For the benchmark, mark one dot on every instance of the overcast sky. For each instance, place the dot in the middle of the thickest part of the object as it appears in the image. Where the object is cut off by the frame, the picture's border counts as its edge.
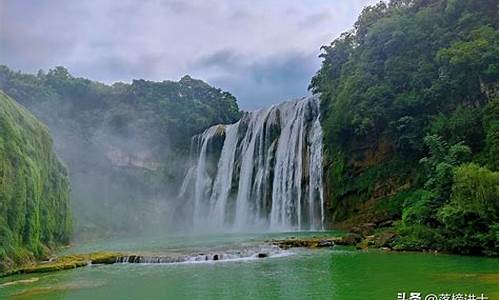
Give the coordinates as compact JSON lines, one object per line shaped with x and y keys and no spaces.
{"x":262,"y":52}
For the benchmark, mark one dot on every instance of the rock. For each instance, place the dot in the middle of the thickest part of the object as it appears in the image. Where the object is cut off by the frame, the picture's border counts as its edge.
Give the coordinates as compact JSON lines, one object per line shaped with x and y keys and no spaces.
{"x":262,"y":255}
{"x":366,"y":243}
{"x":216,"y":257}
{"x":22,"y":281}
{"x":306,"y":243}
{"x":67,"y":262}
{"x":364,"y":229}
{"x":350,"y":239}
{"x":384,"y":239}
{"x":104,"y":257}
{"x":388,"y":223}
{"x":6,"y":264}
{"x":325,"y":243}
{"x":385,"y":249}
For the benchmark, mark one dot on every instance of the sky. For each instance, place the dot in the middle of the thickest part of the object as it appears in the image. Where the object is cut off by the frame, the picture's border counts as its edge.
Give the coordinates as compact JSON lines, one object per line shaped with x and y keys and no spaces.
{"x":263,"y":52}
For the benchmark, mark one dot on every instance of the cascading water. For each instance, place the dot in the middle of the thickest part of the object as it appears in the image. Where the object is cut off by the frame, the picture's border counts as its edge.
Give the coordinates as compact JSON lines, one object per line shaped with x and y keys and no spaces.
{"x":265,"y":171}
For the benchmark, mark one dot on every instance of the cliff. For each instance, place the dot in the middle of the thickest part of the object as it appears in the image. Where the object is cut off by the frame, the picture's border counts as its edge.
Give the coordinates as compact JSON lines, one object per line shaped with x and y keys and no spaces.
{"x":34,"y":188}
{"x":409,"y":101}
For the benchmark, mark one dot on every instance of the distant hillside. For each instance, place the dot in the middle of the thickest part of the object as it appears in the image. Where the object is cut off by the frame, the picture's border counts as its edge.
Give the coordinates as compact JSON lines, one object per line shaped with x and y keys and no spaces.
{"x":34,"y":188}
{"x":126,"y":145}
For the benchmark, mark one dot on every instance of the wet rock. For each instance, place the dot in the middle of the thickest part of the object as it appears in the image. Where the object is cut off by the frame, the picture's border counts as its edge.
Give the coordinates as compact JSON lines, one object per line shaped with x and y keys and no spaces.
{"x":384,"y":239}
{"x":22,"y":281}
{"x":262,"y":255}
{"x":103,"y":257}
{"x":366,"y":243}
{"x":216,"y":257}
{"x":325,"y":243}
{"x":67,"y":262}
{"x":350,"y":239}
{"x":306,"y":243}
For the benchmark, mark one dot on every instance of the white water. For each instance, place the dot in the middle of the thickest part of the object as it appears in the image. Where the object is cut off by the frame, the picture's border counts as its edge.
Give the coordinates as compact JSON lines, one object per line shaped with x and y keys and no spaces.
{"x":265,"y":171}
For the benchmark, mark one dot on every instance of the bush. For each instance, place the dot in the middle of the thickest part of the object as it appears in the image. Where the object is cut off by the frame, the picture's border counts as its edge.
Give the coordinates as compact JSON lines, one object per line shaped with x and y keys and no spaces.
{"x":470,"y":219}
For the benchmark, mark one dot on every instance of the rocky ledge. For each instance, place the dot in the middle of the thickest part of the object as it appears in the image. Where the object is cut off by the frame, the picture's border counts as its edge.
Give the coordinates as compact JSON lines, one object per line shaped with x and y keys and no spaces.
{"x":99,"y":258}
{"x":314,"y":242}
{"x":66,"y":262}
{"x":363,"y":236}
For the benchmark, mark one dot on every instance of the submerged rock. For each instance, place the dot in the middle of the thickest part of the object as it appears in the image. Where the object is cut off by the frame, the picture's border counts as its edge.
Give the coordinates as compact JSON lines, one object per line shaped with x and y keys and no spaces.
{"x":22,"y":281}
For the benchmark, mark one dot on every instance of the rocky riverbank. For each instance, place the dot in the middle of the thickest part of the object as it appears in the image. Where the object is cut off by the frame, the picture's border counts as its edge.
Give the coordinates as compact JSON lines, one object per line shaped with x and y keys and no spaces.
{"x":65,"y":263}
{"x":363,"y":236}
{"x":99,"y":258}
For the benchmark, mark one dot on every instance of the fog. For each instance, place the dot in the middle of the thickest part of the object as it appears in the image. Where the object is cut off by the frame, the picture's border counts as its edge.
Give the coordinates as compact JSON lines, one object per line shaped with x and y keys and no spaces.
{"x":119,"y":184}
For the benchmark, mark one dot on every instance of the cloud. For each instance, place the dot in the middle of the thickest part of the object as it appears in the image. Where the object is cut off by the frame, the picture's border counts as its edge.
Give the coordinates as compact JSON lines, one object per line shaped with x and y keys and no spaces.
{"x":261,"y":51}
{"x":315,"y":19}
{"x":224,"y":58}
{"x":263,"y":82}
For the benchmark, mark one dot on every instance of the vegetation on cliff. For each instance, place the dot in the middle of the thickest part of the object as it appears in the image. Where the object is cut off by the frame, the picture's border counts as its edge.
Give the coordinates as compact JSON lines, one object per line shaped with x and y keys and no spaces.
{"x":410,"y":114}
{"x":126,"y":145}
{"x":34,"y":188}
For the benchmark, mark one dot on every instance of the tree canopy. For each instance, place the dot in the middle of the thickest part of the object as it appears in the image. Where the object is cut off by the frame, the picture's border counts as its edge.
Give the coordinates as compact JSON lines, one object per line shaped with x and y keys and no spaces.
{"x":413,"y":79}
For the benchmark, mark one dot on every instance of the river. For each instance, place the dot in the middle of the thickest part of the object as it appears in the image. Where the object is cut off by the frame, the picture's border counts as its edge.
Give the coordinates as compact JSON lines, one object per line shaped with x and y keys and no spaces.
{"x":335,"y":273}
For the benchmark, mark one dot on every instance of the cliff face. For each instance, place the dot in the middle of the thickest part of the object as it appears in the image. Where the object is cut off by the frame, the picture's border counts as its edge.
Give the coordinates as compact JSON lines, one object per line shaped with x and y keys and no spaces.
{"x":362,"y":179}
{"x":34,"y":188}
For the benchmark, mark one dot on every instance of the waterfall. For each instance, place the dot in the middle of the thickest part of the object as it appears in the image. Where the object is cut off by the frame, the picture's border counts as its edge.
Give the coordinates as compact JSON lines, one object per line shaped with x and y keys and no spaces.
{"x":263,"y":172}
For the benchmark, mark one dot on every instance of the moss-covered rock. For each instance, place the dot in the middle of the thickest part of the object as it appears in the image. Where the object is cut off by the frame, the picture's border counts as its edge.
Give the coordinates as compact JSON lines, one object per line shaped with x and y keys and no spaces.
{"x":66,"y":262}
{"x":34,"y":188}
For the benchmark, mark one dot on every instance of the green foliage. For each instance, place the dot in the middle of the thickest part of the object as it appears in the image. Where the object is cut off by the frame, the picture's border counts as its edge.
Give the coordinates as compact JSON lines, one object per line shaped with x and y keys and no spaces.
{"x":34,"y":187}
{"x":471,"y":217}
{"x":417,"y":237}
{"x":417,"y":207}
{"x":459,"y":204}
{"x":98,"y":128}
{"x":413,"y":81}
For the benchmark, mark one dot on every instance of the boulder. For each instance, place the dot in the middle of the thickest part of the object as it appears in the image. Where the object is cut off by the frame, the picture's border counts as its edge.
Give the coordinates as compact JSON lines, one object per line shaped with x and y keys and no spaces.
{"x":325,"y":243}
{"x":350,"y":239}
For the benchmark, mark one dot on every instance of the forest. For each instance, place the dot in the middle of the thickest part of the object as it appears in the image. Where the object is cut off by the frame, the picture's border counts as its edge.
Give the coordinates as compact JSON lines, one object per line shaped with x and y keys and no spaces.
{"x":410,"y":114}
{"x":126,"y":145}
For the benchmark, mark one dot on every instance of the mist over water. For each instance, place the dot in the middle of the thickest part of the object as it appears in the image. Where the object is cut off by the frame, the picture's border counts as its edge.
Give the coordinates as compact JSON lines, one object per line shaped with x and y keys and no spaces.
{"x":117,"y":186}
{"x":262,"y":173}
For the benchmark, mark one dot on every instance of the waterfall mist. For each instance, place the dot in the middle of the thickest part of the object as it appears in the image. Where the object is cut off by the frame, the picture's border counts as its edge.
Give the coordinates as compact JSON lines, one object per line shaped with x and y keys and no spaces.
{"x":262,"y":173}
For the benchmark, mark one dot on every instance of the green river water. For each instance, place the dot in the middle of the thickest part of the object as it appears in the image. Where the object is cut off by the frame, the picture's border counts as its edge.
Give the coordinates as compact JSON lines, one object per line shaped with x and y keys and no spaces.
{"x":340,"y":273}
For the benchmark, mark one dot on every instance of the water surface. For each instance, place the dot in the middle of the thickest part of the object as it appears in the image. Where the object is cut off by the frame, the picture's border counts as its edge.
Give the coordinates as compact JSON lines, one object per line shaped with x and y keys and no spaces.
{"x":338,"y":273}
